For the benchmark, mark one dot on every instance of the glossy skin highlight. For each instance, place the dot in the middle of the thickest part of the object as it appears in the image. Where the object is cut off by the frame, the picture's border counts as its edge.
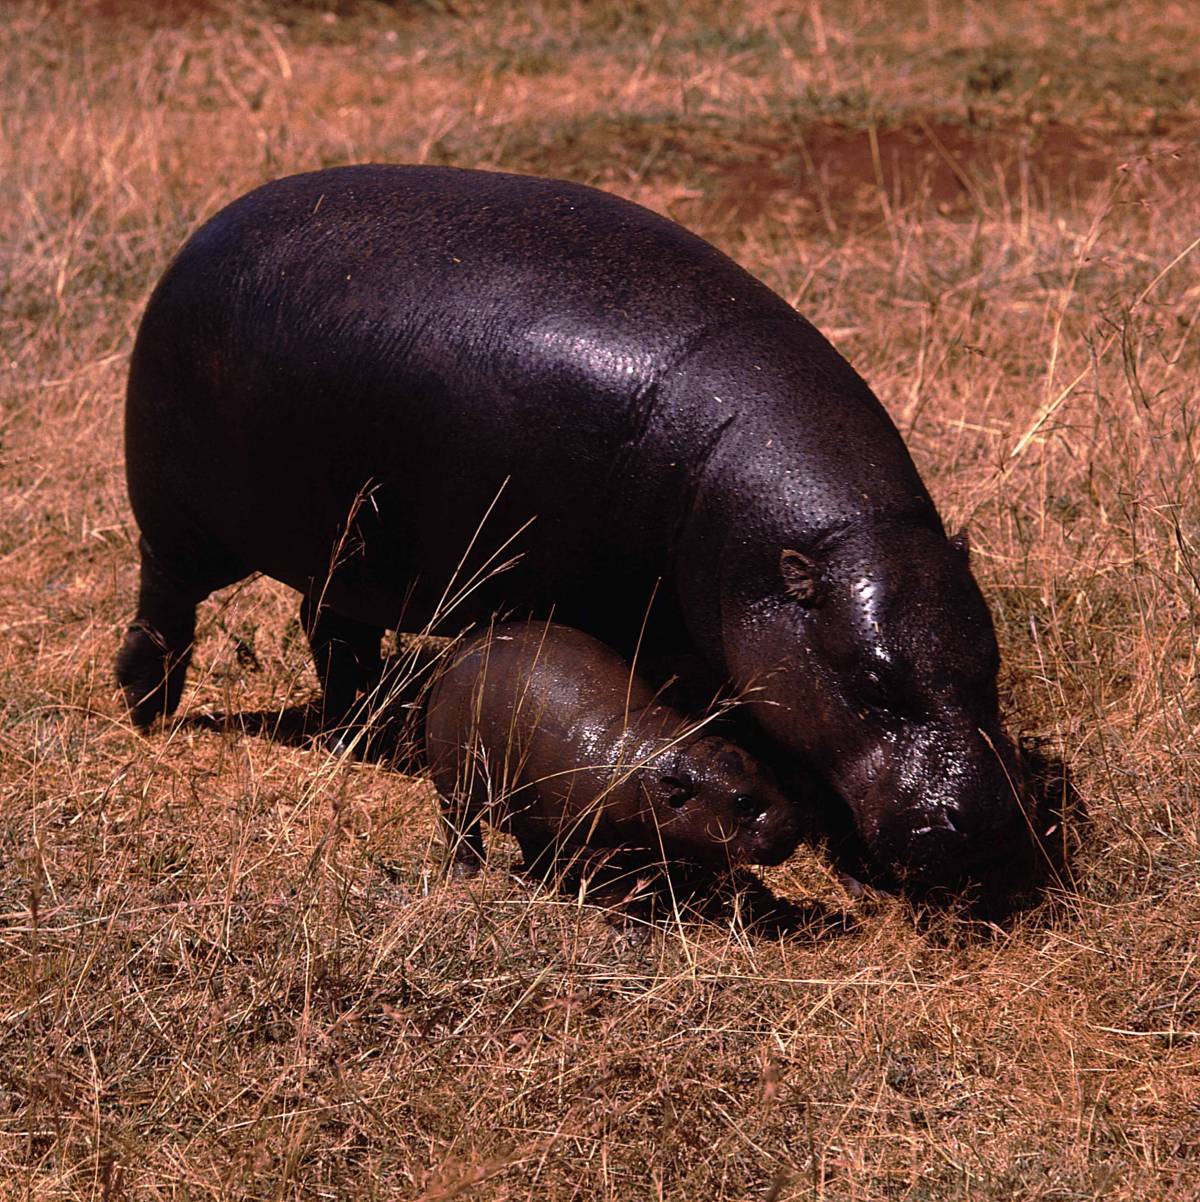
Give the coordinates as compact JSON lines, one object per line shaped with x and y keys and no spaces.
{"x":377,"y":383}
{"x":545,"y":731}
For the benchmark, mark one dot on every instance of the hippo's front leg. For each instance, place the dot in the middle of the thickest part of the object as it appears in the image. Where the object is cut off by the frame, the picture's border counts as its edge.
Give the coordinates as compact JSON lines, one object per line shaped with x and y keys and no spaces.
{"x":346,"y":655}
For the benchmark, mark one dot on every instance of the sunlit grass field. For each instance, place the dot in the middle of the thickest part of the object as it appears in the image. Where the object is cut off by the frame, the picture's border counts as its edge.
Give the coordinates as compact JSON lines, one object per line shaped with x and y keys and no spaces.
{"x":229,"y":964}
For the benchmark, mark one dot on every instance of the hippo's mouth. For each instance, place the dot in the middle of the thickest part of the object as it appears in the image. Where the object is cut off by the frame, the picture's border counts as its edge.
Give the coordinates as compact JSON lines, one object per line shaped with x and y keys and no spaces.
{"x":929,"y":855}
{"x":744,"y":844}
{"x":944,"y":807}
{"x":768,"y":854}
{"x":934,"y":848}
{"x":770,"y":839}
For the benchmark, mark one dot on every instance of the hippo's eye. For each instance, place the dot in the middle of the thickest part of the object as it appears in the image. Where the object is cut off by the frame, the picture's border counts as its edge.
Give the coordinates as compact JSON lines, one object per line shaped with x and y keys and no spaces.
{"x":875,"y":691}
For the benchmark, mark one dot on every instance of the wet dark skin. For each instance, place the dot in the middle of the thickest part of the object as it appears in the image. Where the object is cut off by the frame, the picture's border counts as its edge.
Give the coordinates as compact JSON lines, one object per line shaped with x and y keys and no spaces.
{"x":546,"y":731}
{"x":366,"y":381}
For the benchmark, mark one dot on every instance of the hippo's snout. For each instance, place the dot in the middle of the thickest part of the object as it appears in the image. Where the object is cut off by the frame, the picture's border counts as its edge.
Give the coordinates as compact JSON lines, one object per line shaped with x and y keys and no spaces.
{"x":751,"y":809}
{"x":732,"y":810}
{"x":751,"y":829}
{"x":952,"y":811}
{"x":934,"y":849}
{"x":769,"y":827}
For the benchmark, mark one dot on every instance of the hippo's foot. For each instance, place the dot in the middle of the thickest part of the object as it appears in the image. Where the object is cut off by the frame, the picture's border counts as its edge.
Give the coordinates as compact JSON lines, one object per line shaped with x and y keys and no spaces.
{"x":151,"y":672}
{"x":467,"y":856}
{"x":153,"y":661}
{"x":466,"y":853}
{"x":463,"y":870}
{"x":852,"y":885}
{"x":630,"y":937}
{"x":349,"y":740}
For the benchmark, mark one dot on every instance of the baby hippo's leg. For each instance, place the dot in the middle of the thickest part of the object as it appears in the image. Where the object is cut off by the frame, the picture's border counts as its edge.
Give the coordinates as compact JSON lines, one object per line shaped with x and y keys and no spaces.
{"x":541,"y":859}
{"x":464,"y":837}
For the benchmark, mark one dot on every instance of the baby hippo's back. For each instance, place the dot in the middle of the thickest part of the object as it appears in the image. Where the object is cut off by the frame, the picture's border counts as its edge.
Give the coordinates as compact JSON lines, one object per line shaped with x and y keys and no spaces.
{"x":546,"y":731}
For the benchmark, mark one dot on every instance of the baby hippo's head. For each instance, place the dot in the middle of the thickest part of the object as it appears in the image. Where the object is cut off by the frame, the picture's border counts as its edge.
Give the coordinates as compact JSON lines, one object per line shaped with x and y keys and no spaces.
{"x":713,"y":803}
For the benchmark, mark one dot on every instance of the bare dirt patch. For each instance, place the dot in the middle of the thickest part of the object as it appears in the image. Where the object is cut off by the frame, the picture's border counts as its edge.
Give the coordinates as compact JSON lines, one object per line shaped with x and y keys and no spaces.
{"x":826,"y":174}
{"x":844,"y":175}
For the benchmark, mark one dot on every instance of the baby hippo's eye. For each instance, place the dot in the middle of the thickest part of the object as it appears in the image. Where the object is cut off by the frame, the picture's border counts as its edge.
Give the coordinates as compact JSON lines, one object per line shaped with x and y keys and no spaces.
{"x":679,"y":790}
{"x":748,"y":806}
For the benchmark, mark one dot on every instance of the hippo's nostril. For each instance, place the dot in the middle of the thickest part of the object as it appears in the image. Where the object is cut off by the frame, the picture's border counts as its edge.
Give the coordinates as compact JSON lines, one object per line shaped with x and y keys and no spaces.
{"x":679,"y":791}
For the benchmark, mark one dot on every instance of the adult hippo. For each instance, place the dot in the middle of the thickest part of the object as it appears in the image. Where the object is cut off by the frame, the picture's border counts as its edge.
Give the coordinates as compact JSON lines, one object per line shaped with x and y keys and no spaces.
{"x":379,"y":384}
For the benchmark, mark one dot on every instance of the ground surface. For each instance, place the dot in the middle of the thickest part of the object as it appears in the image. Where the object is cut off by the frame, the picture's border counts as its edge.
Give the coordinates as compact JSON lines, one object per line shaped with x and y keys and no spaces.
{"x":228,"y":968}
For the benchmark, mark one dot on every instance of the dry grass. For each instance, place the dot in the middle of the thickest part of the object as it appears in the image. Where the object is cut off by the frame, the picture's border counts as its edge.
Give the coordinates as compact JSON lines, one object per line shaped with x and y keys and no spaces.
{"x":227,"y":965}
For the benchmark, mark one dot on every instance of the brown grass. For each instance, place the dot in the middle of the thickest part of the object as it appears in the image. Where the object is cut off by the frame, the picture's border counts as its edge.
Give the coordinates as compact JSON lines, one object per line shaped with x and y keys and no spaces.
{"x":228,"y":967}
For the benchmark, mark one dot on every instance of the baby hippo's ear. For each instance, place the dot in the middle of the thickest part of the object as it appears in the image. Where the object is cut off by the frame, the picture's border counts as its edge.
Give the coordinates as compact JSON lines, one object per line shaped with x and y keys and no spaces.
{"x":801,"y":577}
{"x":678,"y":789}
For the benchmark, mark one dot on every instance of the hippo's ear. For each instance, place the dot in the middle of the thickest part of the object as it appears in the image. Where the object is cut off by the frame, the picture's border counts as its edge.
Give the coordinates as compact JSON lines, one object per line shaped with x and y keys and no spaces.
{"x":801,"y":578}
{"x":961,"y":542}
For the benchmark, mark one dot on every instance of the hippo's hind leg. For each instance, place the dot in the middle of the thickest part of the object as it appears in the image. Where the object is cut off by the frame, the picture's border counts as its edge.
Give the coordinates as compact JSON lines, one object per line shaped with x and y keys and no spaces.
{"x":153,"y":661}
{"x":346,"y":655}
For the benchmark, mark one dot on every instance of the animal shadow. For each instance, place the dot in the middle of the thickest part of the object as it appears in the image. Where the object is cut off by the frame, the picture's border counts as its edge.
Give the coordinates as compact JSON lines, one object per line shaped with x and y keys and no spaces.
{"x":636,"y":892}
{"x":1060,"y":816}
{"x":388,"y":741}
{"x":390,"y":735}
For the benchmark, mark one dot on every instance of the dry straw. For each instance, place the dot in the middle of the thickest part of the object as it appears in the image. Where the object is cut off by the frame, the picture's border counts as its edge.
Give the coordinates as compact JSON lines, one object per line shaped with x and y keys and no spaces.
{"x":229,"y":965}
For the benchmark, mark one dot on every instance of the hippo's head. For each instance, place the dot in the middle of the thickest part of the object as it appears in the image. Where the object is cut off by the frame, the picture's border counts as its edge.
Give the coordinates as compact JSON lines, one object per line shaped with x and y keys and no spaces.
{"x":710,"y":802}
{"x":871,"y":655}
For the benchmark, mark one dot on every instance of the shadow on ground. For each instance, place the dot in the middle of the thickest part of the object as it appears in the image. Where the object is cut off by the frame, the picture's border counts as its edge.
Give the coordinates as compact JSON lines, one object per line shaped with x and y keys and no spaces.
{"x":640,"y":893}
{"x":391,"y":741}
{"x":391,"y":736}
{"x":634,"y":894}
{"x":637,"y":894}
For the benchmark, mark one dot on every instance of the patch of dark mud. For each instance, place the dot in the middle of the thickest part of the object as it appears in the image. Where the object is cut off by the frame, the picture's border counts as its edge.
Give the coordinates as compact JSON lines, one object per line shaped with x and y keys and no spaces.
{"x":842,"y":177}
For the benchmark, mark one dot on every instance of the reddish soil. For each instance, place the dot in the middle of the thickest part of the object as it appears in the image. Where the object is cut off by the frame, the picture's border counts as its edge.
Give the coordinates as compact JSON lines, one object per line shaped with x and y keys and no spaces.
{"x":842,"y":175}
{"x":839,"y":178}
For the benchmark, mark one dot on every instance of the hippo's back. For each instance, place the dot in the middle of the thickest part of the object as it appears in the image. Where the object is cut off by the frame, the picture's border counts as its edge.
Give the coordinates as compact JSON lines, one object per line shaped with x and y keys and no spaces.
{"x":406,"y":345}
{"x":381,"y":367}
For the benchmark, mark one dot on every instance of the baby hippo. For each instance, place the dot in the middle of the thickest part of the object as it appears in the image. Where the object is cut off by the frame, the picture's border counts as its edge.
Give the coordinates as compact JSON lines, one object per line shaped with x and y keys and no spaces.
{"x":546,"y":732}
